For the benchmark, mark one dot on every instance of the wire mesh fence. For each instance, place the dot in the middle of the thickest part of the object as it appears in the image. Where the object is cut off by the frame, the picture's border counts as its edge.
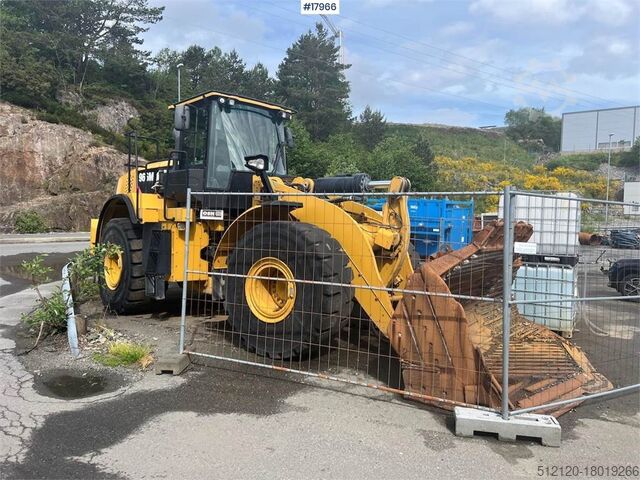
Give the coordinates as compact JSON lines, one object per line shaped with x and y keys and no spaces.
{"x":404,"y":292}
{"x":580,"y":278}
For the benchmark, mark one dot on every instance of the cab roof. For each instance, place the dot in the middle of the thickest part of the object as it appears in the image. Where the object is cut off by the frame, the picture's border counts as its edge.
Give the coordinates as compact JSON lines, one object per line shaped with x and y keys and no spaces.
{"x":237,"y":98}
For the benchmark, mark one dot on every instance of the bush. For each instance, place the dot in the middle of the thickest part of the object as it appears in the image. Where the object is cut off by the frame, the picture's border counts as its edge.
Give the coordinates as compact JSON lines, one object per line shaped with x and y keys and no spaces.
{"x":30,"y":222}
{"x":590,"y":161}
{"x":86,"y":271}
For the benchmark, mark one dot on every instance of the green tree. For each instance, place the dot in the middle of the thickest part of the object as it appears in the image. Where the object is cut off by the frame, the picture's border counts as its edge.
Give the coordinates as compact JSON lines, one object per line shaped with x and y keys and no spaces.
{"x":632,"y":157}
{"x":24,"y":77}
{"x":396,"y":156}
{"x":163,"y":74}
{"x":72,"y":37}
{"x":371,"y":127}
{"x":345,"y":154}
{"x":306,"y":158}
{"x":422,"y":149}
{"x":258,"y":83}
{"x":312,"y":81}
{"x":125,"y":68}
{"x":534,"y":128}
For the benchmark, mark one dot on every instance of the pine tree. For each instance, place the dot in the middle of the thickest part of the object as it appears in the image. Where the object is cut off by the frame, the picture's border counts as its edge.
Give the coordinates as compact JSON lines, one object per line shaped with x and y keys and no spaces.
{"x":371,"y":127}
{"x":312,"y":81}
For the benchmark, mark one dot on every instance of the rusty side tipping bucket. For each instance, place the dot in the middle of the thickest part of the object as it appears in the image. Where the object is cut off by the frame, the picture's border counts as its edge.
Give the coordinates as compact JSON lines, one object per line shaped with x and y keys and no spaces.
{"x":451,"y":350}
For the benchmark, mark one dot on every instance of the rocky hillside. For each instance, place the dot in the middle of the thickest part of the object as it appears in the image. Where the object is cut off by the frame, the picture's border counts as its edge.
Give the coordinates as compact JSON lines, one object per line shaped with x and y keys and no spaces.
{"x":61,"y":172}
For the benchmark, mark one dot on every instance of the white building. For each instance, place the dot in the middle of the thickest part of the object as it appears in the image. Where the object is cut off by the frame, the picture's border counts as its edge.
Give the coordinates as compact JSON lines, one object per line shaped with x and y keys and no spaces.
{"x":631,"y":195}
{"x":589,"y":130}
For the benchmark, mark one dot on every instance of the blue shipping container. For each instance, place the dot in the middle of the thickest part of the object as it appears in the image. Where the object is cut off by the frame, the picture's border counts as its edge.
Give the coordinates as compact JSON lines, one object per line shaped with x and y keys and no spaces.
{"x":437,"y":223}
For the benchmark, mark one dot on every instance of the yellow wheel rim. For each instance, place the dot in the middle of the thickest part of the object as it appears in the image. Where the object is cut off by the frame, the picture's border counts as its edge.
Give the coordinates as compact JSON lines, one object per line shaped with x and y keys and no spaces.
{"x":113,"y":270}
{"x":270,"y":299}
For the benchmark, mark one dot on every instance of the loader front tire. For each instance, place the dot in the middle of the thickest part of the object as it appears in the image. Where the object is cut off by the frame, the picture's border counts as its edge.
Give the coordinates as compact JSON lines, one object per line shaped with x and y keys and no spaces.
{"x":272,"y":314}
{"x":122,"y":289}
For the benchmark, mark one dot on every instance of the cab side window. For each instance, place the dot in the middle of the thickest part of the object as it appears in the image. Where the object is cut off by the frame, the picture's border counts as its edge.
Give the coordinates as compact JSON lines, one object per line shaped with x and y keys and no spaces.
{"x":195,"y":139}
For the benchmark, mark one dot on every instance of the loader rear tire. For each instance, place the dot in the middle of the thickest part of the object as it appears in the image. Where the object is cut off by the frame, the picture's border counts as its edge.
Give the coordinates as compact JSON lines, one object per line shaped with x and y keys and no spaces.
{"x":128,"y":292}
{"x":289,"y":250}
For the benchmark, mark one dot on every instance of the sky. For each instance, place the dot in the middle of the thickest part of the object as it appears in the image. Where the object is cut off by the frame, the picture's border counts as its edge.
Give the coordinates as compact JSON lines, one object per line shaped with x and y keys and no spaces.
{"x":451,"y":62}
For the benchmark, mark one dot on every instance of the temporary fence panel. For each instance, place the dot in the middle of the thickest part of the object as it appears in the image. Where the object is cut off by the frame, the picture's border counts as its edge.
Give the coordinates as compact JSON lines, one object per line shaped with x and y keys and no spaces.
{"x":607,"y":325}
{"x":311,"y":283}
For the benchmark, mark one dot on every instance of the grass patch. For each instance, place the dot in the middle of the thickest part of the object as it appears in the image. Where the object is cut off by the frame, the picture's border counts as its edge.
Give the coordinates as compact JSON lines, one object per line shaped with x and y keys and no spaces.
{"x":468,"y":142}
{"x":122,"y":353}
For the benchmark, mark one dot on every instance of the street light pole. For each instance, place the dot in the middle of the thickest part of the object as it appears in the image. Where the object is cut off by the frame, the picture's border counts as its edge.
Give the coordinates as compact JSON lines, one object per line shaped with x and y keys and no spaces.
{"x":504,"y":150}
{"x":606,"y":207}
{"x":179,"y":66}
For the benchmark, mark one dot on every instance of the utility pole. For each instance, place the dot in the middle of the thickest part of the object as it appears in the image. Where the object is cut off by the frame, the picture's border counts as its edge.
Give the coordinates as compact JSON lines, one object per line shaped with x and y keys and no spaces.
{"x":336,"y":34}
{"x":179,"y":66}
{"x":606,"y":207}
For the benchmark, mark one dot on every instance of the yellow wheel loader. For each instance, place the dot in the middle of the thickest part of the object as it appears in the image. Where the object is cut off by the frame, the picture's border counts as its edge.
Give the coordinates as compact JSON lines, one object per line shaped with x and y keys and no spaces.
{"x":292,"y":266}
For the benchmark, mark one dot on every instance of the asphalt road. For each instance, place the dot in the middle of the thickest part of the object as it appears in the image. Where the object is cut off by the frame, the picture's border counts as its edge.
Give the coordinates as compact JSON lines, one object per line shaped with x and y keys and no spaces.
{"x":230,"y":423}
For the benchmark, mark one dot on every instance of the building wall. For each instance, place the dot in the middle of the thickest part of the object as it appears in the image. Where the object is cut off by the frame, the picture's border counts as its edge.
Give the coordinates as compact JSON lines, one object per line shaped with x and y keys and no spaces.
{"x":589,"y":130}
{"x":631,"y":195}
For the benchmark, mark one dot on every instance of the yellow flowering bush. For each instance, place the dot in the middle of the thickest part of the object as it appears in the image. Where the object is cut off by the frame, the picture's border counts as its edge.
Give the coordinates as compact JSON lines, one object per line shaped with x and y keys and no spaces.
{"x":469,"y":174}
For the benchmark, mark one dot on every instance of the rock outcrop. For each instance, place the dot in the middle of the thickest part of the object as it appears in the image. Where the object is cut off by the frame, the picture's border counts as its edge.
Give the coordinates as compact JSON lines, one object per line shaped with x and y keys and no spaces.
{"x":113,"y":116}
{"x":59,"y":171}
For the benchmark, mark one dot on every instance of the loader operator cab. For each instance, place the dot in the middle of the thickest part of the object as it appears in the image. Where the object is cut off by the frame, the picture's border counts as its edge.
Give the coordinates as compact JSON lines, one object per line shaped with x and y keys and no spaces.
{"x":216,"y":134}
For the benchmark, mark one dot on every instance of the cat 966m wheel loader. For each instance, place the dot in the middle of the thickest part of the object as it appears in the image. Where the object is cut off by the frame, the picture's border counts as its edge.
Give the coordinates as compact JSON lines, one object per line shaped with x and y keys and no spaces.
{"x":295,"y":255}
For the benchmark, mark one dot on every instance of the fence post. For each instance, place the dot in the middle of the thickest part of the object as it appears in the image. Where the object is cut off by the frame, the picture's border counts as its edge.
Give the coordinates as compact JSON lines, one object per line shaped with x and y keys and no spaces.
{"x":183,"y":313}
{"x":507,"y":273}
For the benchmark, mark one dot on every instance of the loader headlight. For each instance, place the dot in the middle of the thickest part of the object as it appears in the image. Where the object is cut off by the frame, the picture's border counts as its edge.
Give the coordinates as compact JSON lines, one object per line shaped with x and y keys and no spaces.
{"x":256,"y":163}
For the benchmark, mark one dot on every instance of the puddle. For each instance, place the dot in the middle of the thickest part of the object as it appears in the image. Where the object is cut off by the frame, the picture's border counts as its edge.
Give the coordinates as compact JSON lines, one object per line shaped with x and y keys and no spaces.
{"x":16,"y":279}
{"x":71,"y":384}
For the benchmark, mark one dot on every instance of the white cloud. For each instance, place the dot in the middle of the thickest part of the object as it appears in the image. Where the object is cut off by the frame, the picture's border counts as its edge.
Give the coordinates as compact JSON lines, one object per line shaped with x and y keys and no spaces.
{"x":386,"y":3}
{"x":455,"y":89}
{"x":608,"y":56}
{"x":556,"y":12}
{"x":233,"y":29}
{"x":619,"y":47}
{"x":456,"y":28}
{"x":550,"y":11}
{"x":610,"y":12}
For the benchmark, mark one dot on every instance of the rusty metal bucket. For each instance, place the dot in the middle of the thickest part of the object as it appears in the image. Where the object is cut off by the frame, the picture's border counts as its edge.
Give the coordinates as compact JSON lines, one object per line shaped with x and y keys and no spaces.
{"x":451,"y":350}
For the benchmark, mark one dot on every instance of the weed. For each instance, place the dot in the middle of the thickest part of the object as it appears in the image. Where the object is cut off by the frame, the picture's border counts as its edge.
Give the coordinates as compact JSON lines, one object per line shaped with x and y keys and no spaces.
{"x":30,"y":222}
{"x":123,"y":353}
{"x":37,"y":270}
{"x":50,"y":314}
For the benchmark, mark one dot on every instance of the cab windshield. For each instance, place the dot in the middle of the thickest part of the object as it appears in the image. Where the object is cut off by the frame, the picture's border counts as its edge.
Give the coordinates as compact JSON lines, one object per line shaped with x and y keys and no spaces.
{"x":238,"y":131}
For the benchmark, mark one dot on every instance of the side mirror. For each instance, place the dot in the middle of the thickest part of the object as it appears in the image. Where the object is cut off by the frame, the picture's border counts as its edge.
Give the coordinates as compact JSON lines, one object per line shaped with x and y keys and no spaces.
{"x":181,"y":116}
{"x":257,"y":163}
{"x":288,"y":137}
